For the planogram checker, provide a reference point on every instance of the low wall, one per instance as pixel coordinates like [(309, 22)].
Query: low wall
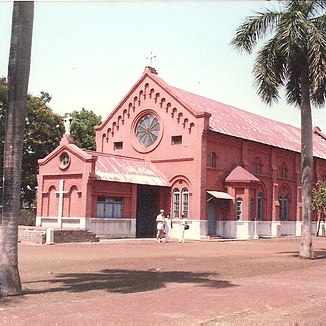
[(36, 235), (31, 235), (112, 228), (65, 236)]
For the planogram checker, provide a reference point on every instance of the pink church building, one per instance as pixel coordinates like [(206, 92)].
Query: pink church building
[(232, 173)]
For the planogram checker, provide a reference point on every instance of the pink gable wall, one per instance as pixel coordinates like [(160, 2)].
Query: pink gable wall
[(75, 177), (181, 164)]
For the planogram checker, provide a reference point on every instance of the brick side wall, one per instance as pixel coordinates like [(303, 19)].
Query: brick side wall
[(64, 236)]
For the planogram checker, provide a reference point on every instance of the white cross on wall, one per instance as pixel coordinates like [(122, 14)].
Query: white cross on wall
[(61, 193)]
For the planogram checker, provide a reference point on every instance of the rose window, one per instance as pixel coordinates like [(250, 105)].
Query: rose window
[(147, 130)]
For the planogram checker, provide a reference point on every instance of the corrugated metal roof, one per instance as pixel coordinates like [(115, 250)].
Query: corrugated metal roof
[(235, 122), (220, 194), (126, 169)]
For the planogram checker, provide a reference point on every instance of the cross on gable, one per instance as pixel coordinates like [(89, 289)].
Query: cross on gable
[(150, 58)]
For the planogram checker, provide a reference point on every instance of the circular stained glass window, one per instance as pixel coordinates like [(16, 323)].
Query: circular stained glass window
[(147, 130)]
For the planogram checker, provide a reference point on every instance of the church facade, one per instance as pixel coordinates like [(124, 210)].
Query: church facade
[(232, 173)]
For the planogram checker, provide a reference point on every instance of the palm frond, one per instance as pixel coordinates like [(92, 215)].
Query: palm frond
[(320, 23), (292, 34), (297, 40), (253, 29), (315, 7), (293, 83), (269, 71), (316, 47)]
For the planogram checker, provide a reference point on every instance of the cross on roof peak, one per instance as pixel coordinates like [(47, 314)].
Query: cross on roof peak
[(151, 57)]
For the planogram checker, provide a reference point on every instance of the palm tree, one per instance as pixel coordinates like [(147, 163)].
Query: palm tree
[(18, 75), (293, 56)]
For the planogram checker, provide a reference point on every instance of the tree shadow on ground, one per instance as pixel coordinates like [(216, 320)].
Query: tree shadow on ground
[(126, 281), (318, 254)]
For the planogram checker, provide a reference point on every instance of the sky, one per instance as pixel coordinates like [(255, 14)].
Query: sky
[(89, 54)]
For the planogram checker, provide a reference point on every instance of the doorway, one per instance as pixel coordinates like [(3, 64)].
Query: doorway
[(147, 210), (212, 209)]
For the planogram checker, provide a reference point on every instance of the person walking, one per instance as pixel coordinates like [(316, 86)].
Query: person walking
[(168, 227), (160, 221), (182, 229)]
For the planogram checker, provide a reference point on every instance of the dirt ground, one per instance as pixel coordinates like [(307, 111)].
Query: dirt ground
[(141, 282)]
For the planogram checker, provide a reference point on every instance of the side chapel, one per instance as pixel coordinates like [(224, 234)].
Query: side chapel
[(232, 173)]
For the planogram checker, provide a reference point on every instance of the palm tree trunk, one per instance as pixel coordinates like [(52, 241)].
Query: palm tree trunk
[(306, 249), (18, 75)]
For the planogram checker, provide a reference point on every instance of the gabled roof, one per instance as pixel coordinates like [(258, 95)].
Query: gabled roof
[(150, 73), (239, 174), (116, 168), (67, 144), (228, 120), (235, 122)]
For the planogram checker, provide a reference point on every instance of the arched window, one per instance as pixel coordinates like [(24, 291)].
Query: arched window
[(176, 202), (213, 160), (257, 166), (252, 216), (283, 171), (280, 201), (185, 202), (260, 206), (239, 209), (284, 207)]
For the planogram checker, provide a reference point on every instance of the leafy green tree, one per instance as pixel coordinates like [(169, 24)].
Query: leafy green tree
[(42, 134), (293, 56), (319, 202), (82, 129), (18, 75)]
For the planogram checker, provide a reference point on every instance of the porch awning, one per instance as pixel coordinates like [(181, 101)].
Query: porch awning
[(220, 194), (127, 170)]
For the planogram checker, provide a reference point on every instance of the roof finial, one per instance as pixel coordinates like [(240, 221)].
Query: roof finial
[(150, 58)]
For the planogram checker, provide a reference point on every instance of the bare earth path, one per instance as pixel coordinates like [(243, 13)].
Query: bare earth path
[(140, 282)]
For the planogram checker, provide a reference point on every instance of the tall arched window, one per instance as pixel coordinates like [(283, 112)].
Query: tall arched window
[(185, 202), (213, 160), (280, 201), (283, 171), (284, 207), (252, 214), (176, 202), (260, 206), (257, 166), (239, 209)]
